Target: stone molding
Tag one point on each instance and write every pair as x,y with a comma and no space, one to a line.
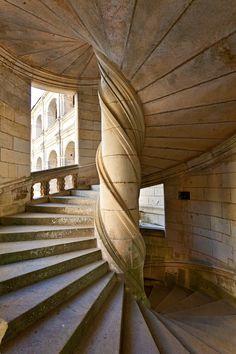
41,78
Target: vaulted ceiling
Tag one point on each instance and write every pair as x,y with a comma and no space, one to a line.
179,55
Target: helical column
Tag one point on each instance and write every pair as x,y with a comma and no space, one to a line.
117,214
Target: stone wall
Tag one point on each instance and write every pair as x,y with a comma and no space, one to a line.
89,125
200,239
14,140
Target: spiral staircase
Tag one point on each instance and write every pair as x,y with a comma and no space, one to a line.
59,296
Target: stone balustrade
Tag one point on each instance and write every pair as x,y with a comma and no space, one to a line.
57,180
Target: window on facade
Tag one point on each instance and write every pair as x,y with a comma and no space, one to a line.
70,154
38,126
39,164
52,160
151,206
52,112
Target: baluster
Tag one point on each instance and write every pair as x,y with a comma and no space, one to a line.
32,192
60,184
44,188
75,179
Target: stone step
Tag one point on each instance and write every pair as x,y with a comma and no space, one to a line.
164,339
83,187
158,293
17,251
21,308
193,344
47,219
215,308
72,200
136,338
91,194
57,208
62,329
214,336
17,275
105,335
194,300
175,295
40,232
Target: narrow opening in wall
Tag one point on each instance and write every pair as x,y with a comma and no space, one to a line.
54,129
151,207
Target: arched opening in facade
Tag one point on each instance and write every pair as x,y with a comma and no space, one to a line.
70,154
52,112
39,126
39,164
52,159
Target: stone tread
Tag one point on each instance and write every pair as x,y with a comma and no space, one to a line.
51,205
212,335
12,247
31,218
158,293
194,300
62,329
13,229
165,340
13,270
24,306
136,338
175,295
214,308
106,331
73,199
193,344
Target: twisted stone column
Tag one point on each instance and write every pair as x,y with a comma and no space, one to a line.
117,216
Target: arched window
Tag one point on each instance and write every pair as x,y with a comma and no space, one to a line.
52,112
70,154
38,126
52,160
39,164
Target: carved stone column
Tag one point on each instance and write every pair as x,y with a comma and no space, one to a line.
117,217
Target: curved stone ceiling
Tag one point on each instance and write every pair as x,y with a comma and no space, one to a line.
180,56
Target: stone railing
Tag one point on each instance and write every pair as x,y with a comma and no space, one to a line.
55,180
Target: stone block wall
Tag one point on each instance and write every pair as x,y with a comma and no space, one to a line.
202,230
14,140
89,125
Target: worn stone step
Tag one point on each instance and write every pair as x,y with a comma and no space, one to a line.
62,329
21,308
214,308
72,200
17,275
40,232
91,194
194,300
212,335
193,344
105,334
136,337
175,295
166,342
158,293
17,251
57,208
47,219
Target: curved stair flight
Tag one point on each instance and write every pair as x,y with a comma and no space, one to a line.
58,295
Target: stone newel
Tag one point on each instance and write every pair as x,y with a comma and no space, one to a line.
117,217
